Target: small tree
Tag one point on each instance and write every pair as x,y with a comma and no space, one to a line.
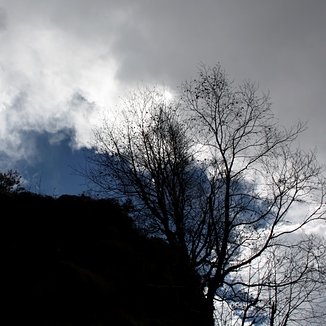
286,286
215,176
299,271
10,181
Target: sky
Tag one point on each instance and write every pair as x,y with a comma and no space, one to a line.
62,62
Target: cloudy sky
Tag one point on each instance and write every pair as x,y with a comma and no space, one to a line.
63,61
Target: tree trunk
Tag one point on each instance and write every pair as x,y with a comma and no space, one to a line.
273,314
209,313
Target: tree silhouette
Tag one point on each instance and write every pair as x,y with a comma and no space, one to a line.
214,175
10,181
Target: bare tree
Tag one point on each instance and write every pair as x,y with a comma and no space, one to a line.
213,174
255,176
147,157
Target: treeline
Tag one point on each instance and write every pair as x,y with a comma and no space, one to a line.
74,260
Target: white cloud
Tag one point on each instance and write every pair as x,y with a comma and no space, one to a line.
42,72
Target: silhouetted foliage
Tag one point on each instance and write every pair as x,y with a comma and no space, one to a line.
10,181
75,260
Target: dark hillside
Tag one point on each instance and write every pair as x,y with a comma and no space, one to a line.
79,261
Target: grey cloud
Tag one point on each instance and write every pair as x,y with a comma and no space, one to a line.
3,19
279,44
98,49
159,40
165,41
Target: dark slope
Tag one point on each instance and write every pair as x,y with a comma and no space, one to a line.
79,261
